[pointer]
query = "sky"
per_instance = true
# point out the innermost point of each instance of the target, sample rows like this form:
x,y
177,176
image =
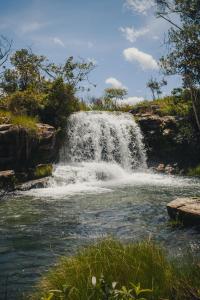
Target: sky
x,y
122,37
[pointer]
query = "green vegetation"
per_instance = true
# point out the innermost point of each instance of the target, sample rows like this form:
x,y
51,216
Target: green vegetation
x,y
33,87
194,171
178,104
184,43
42,171
111,270
24,121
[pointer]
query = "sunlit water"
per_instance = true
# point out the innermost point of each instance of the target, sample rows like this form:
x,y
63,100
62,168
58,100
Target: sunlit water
x,y
88,199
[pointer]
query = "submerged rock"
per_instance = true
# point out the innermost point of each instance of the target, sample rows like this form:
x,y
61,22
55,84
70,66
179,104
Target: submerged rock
x,y
186,210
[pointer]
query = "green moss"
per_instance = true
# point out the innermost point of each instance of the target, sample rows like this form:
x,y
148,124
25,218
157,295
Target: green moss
x,y
143,263
194,171
43,171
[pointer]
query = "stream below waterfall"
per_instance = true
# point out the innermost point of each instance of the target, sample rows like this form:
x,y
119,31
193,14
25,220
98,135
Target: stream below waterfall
x,y
101,187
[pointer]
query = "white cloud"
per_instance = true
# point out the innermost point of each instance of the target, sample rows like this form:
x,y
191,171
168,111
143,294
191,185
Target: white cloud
x,y
115,83
30,27
130,101
140,6
131,34
145,60
58,41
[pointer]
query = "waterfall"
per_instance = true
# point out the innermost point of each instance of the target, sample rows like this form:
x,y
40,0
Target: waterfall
x,y
104,137
102,152
100,147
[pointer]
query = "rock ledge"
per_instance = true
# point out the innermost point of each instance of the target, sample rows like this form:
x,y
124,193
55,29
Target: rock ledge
x,y
187,210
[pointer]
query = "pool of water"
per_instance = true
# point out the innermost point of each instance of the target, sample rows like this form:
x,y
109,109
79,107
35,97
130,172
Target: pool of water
x,y
38,226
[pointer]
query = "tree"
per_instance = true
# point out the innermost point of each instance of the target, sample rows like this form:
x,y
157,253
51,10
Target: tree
x,y
155,87
184,41
28,71
60,103
112,95
73,72
5,47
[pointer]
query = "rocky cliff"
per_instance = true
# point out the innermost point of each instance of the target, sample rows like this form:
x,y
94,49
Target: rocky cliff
x,y
168,141
20,148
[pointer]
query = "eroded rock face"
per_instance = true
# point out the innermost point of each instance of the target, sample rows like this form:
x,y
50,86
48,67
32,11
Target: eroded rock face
x,y
186,210
20,149
165,142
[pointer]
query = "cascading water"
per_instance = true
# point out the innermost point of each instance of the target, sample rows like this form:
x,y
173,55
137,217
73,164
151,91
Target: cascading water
x,y
100,146
104,137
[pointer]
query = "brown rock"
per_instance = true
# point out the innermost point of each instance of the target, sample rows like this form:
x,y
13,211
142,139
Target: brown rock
x,y
7,180
21,149
187,210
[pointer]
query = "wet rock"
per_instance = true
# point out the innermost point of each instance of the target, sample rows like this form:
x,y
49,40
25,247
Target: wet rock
x,y
186,210
33,184
165,141
7,180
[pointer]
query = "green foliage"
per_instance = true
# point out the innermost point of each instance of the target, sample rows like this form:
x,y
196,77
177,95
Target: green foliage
x,y
178,104
24,121
25,102
73,72
111,96
194,171
60,102
122,266
155,86
27,72
184,43
42,171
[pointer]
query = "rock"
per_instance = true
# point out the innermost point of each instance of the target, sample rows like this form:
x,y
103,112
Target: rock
x,y
33,184
7,180
187,210
21,149
160,168
165,140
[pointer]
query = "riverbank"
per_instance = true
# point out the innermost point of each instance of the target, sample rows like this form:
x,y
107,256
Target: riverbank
x,y
112,270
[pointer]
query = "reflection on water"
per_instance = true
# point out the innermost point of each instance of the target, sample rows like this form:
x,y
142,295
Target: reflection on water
x,y
38,226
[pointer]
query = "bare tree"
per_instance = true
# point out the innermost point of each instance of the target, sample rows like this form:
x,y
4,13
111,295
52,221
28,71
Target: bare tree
x,y
5,47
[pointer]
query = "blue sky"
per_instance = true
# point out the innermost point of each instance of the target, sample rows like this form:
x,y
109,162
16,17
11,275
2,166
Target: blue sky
x,y
123,37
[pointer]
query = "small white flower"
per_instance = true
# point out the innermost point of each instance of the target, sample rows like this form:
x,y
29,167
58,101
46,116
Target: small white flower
x,y
94,281
114,284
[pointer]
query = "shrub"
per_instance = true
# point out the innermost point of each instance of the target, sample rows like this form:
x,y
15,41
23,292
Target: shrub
x,y
24,103
137,264
59,103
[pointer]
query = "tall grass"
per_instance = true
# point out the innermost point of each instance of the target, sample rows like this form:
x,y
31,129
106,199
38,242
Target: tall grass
x,y
143,263
24,121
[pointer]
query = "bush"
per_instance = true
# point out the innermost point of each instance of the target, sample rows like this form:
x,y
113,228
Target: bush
x,y
59,103
91,274
24,103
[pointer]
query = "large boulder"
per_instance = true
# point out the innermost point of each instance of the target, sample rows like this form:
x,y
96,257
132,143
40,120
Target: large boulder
x,y
186,210
21,148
